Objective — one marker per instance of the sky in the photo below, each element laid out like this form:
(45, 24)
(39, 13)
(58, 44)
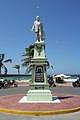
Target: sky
(61, 22)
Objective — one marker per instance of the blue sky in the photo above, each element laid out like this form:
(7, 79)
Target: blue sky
(61, 21)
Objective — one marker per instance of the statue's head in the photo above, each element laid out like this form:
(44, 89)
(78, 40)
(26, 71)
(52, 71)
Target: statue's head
(37, 18)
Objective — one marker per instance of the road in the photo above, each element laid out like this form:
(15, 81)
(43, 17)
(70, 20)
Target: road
(23, 90)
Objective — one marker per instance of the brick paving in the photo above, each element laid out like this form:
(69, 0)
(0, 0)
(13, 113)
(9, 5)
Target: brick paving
(67, 101)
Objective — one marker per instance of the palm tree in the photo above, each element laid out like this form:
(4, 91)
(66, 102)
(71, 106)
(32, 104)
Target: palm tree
(2, 61)
(18, 68)
(29, 52)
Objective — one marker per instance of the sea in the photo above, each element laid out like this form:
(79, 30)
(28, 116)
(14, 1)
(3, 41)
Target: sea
(28, 77)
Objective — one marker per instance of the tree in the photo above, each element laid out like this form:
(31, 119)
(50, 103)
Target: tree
(2, 56)
(29, 53)
(18, 68)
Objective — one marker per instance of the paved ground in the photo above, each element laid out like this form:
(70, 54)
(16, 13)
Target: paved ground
(67, 102)
(70, 116)
(23, 90)
(65, 90)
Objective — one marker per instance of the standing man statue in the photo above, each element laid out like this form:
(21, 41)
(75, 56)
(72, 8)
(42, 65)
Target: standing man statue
(38, 29)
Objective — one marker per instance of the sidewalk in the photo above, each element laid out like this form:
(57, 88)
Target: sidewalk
(69, 116)
(67, 84)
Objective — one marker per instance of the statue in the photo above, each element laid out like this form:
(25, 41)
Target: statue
(38, 29)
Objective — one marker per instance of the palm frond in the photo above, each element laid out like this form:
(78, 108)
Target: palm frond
(8, 60)
(25, 64)
(29, 68)
(26, 59)
(27, 54)
(16, 66)
(49, 65)
(29, 48)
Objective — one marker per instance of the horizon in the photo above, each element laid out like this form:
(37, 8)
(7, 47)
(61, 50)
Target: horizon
(61, 22)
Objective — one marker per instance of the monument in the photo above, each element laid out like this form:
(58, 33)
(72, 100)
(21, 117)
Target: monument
(39, 88)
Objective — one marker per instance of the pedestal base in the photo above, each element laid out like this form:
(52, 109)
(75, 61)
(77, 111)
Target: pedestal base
(39, 95)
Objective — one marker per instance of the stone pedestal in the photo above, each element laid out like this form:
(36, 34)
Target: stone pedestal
(39, 88)
(39, 95)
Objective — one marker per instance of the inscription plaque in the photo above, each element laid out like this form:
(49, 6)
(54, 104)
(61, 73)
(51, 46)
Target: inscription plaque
(39, 74)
